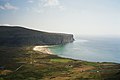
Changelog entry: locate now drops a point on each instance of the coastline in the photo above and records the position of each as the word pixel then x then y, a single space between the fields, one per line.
pixel 42 49
pixel 52 67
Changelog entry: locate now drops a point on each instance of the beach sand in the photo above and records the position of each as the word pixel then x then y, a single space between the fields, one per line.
pixel 42 49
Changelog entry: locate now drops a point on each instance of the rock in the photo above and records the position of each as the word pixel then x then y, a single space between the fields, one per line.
pixel 19 36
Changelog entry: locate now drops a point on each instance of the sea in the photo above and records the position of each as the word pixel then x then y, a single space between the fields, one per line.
pixel 95 49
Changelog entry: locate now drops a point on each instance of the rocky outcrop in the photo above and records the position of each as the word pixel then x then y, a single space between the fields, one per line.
pixel 19 36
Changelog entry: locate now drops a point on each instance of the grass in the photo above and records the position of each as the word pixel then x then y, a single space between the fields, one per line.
pixel 48 67
pixel 90 63
pixel 61 60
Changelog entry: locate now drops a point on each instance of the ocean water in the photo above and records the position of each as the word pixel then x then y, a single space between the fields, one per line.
pixel 95 49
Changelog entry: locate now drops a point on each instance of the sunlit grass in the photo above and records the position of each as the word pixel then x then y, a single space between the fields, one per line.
pixel 61 60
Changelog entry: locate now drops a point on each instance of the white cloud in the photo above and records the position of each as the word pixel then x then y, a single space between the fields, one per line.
pixel 30 1
pixel 43 5
pixel 8 6
pixel 51 3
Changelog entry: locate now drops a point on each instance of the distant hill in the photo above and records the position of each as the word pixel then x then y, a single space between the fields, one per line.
pixel 19 36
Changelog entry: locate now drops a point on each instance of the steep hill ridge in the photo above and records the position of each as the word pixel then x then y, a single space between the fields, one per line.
pixel 19 36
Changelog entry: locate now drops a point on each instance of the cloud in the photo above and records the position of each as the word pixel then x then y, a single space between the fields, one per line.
pixel 42 5
pixel 30 1
pixel 51 3
pixel 8 6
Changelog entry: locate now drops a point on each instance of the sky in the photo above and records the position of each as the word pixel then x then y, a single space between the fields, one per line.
pixel 82 17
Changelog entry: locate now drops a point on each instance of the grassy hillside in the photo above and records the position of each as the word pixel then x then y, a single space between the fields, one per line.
pixel 22 63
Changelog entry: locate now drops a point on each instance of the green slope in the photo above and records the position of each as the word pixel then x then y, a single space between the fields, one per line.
pixel 22 63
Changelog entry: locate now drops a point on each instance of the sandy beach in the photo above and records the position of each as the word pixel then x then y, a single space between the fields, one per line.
pixel 42 49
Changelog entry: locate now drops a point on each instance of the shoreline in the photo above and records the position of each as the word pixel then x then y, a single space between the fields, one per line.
pixel 45 50
pixel 42 49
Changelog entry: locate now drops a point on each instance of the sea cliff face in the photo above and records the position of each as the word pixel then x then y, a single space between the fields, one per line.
pixel 19 36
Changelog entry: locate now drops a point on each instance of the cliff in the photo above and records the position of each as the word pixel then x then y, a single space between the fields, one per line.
pixel 19 36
